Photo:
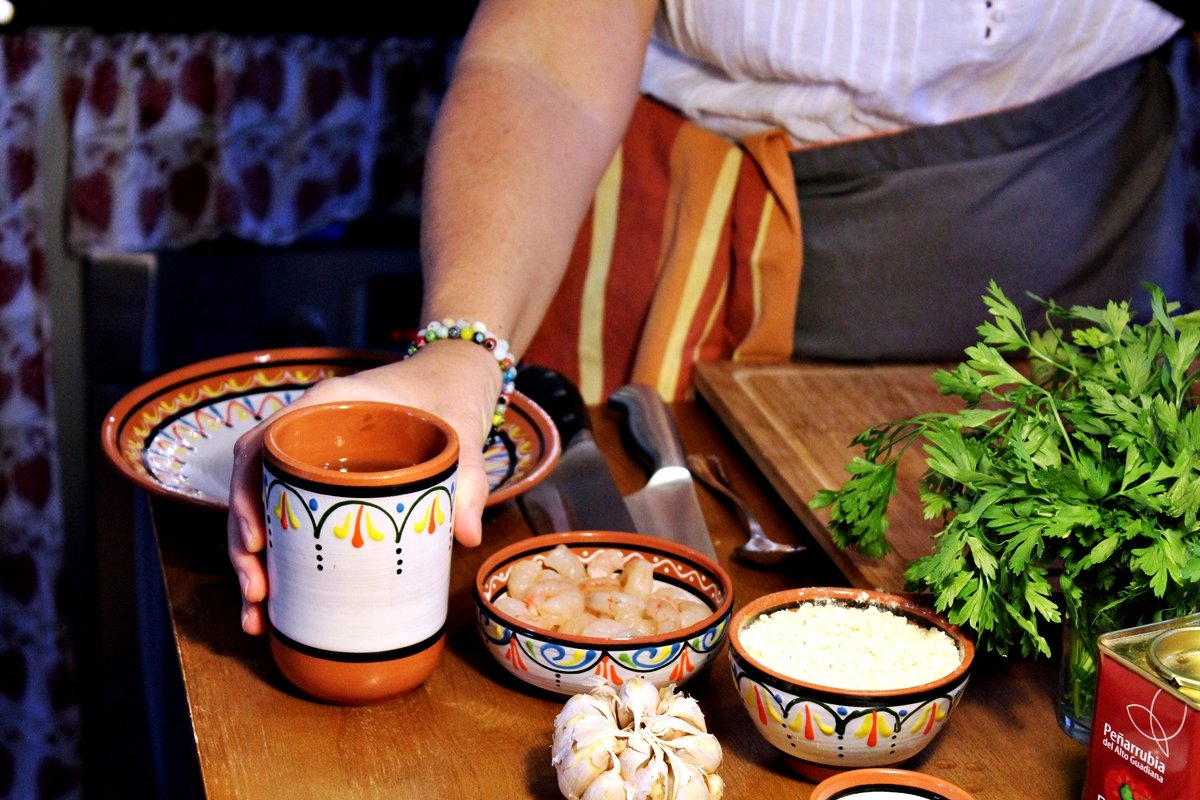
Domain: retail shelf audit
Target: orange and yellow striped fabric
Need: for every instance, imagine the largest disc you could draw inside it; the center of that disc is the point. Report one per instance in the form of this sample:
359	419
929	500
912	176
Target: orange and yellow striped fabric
691	251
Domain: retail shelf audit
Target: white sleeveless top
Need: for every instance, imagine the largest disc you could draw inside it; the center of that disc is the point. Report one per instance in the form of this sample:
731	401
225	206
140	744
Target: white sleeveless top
826	70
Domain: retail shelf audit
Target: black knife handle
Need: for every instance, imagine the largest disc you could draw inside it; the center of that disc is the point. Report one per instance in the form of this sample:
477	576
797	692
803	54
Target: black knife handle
557	396
650	428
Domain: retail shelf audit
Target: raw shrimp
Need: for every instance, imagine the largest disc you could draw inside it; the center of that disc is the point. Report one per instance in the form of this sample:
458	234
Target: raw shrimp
547	584
607	583
565	563
664	613
516	608
609	598
522	577
577	624
558	603
605	563
642	626
639	577
512	606
609	629
691	612
617	605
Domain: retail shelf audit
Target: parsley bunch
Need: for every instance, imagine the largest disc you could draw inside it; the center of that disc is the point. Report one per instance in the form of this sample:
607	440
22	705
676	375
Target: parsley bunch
1074	459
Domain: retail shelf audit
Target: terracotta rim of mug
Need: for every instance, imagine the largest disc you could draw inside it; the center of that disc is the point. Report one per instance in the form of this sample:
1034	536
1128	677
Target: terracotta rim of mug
444	457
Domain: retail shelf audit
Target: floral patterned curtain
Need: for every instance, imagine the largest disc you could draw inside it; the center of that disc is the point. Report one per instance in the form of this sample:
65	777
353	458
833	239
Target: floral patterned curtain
176	139
172	140
39	718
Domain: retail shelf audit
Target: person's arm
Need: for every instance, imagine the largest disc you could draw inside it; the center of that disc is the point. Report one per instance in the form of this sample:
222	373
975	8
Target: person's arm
542	95
540	99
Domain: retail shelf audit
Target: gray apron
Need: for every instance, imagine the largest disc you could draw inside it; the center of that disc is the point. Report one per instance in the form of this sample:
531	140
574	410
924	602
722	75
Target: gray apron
1077	197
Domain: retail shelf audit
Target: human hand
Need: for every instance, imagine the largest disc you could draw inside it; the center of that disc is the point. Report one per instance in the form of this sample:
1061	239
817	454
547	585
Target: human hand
457	381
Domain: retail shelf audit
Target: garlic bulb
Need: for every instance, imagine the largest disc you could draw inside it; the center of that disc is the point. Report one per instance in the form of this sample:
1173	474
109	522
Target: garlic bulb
635	743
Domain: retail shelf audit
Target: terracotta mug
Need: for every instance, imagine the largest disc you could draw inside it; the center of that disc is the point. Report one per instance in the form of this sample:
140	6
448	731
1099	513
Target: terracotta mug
359	504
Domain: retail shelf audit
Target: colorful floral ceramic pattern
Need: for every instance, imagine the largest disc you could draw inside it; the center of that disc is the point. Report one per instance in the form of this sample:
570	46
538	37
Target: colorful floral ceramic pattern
843	731
378	555
356	521
565	668
185	442
573	664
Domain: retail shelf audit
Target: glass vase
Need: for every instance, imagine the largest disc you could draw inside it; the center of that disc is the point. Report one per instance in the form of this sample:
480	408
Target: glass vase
1077	681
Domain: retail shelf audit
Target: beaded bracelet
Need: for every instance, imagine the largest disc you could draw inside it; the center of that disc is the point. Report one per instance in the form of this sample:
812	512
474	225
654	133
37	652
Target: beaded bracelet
478	333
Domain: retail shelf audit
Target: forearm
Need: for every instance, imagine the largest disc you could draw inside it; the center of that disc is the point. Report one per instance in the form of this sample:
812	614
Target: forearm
532	119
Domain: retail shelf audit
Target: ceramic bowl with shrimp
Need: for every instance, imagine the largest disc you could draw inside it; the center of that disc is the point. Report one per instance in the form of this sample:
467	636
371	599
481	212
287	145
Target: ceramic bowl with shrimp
565	612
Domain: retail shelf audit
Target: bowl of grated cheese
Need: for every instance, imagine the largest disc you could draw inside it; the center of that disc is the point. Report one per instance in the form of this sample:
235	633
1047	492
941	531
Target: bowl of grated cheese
838	678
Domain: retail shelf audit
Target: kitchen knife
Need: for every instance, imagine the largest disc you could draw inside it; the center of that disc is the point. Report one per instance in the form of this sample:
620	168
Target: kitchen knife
579	493
667	505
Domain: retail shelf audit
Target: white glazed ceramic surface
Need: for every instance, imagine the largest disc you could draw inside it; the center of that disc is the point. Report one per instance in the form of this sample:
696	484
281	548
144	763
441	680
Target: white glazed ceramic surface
573	664
358	574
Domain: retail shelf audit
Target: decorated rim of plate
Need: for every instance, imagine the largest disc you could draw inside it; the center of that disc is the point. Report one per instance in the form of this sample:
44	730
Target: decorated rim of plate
528	449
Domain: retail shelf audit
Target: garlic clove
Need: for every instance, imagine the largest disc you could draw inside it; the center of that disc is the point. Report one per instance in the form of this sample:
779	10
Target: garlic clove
606	786
585	735
638	752
691	784
580	728
668	727
698	750
640	698
645	768
578	769
686	708
585	744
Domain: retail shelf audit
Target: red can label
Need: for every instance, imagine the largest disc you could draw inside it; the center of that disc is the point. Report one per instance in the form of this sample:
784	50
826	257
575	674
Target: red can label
1144	736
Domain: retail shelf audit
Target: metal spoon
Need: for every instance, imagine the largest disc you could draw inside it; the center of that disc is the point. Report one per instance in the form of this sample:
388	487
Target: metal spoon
710	470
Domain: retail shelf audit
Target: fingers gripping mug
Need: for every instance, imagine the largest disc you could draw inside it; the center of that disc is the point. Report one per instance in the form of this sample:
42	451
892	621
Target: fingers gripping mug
359	504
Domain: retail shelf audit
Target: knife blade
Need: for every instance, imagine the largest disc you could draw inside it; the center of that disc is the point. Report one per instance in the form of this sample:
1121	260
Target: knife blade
667	505
579	493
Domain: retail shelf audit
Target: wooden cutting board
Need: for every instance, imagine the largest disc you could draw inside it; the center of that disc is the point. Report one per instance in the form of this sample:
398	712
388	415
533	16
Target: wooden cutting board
796	421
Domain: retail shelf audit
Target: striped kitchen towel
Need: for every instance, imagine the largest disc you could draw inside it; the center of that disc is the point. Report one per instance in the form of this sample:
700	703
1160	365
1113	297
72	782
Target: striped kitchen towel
691	251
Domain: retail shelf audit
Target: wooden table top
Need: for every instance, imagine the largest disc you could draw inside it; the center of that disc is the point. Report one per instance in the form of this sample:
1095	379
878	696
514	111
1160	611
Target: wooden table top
797	421
472	731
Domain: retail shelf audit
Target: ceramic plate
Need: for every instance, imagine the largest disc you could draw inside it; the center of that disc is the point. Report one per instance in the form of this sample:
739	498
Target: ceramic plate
174	435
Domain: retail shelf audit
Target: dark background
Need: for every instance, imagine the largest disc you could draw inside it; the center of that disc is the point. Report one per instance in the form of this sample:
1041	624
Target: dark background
447	17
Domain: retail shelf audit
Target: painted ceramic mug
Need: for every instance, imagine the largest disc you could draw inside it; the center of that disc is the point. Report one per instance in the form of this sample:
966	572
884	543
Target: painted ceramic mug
359	504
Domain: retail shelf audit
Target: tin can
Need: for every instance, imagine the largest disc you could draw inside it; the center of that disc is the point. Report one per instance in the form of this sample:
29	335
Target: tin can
1144	730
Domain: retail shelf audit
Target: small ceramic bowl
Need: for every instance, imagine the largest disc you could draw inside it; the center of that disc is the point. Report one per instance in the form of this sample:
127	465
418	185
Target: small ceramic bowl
886	783
824	729
569	664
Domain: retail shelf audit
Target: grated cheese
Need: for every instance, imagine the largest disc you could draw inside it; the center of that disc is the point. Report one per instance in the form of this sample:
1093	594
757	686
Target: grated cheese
851	648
